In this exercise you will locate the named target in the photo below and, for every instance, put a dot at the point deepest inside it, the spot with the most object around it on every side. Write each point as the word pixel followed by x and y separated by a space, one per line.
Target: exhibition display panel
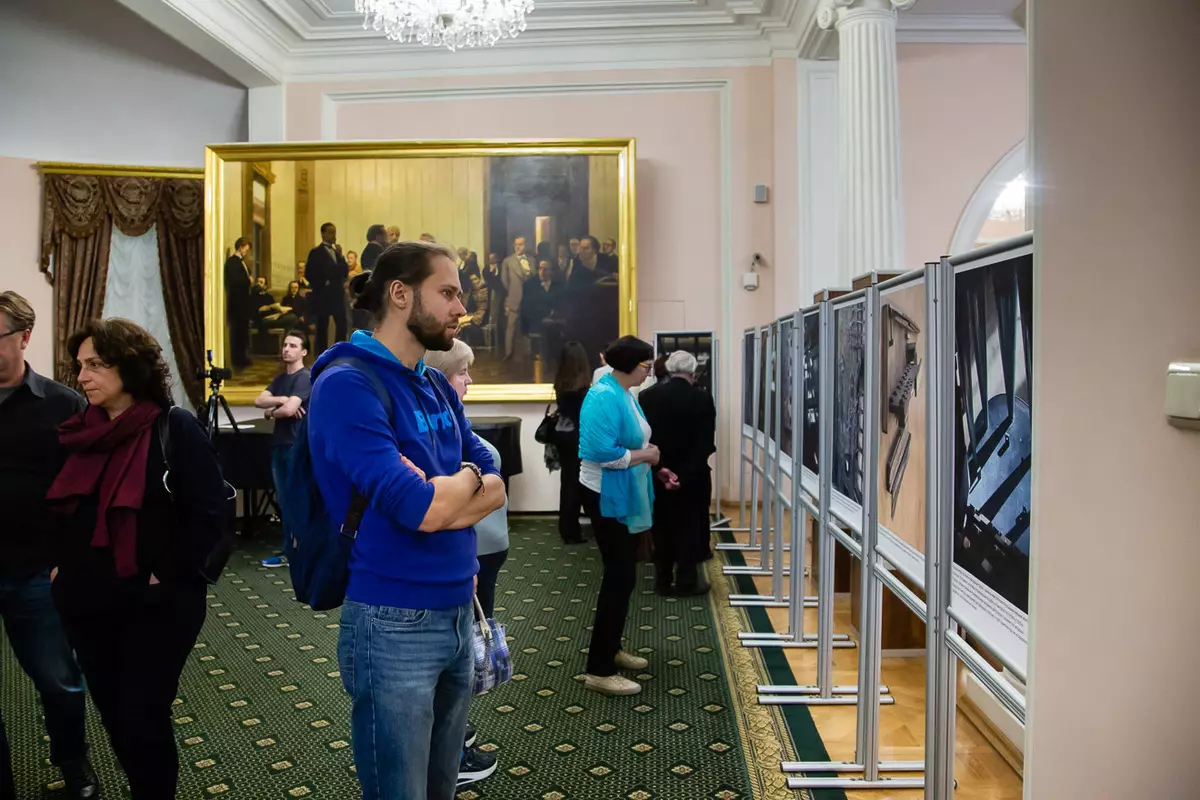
pixel 907 405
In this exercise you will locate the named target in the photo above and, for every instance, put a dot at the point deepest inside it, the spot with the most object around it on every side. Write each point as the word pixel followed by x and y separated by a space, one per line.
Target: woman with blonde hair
pixel 491 541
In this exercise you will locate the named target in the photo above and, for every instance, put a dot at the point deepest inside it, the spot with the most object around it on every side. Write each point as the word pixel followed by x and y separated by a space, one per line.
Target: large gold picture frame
pixel 228 183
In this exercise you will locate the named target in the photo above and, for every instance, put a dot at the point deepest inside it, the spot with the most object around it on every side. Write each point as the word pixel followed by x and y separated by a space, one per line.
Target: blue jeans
pixel 410 674
pixel 40 644
pixel 279 460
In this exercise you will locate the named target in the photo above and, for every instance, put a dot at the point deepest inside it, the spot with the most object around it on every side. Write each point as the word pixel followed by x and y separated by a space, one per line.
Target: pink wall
pixel 962 108
pixel 678 130
pixel 21 209
pixel 1114 648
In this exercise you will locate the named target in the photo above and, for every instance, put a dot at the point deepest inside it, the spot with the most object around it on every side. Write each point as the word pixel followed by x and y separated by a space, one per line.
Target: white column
pixel 871 222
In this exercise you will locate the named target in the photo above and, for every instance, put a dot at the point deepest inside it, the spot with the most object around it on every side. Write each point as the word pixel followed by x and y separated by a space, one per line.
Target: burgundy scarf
pixel 107 458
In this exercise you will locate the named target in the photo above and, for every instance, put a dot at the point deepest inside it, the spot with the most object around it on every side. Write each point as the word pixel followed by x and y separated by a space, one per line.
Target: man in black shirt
pixel 31 409
pixel 285 400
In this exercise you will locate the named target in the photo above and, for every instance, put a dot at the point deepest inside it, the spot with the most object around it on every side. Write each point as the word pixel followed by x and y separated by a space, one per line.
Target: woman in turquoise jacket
pixel 618 496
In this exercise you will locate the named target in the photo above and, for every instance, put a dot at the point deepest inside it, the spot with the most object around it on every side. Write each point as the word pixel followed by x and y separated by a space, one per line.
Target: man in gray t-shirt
pixel 285 400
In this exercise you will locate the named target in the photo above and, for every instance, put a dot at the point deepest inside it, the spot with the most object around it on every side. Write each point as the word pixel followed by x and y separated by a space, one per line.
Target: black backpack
pixel 218 556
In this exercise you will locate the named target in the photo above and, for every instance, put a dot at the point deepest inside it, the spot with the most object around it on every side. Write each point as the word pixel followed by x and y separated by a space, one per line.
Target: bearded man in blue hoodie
pixel 405 645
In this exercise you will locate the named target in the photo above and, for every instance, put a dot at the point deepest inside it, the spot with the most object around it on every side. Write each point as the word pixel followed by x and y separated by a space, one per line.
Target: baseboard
pixel 1011 754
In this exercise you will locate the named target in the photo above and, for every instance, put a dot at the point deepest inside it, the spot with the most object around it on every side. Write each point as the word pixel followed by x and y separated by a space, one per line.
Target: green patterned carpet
pixel 261 712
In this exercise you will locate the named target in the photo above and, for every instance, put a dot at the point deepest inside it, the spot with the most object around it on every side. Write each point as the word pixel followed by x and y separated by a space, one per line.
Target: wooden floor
pixel 981 772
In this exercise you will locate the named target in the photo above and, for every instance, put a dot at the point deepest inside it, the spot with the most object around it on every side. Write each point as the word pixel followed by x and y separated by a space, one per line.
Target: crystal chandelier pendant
pixel 452 24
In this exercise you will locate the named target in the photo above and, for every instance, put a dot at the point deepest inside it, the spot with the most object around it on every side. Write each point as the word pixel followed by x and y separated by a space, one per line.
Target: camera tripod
pixel 216 403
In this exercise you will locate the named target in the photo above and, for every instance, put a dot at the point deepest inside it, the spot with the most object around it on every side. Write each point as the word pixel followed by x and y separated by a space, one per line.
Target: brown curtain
pixel 78 217
pixel 181 263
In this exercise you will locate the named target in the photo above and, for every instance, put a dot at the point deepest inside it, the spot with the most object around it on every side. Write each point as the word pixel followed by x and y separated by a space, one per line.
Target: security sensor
pixel 750 279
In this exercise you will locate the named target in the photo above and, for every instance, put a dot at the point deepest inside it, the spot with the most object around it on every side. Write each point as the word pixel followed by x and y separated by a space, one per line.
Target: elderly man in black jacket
pixel 31 409
pixel 683 421
pixel 326 270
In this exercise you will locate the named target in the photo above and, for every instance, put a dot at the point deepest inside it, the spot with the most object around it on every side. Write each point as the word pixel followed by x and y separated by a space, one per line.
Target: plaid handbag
pixel 492 664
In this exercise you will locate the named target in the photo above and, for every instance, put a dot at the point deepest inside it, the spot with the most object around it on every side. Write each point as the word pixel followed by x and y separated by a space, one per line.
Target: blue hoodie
pixel 393 563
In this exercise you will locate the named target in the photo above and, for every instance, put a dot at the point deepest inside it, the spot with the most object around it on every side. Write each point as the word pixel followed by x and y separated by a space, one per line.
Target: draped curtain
pixel 78 217
pixel 134 291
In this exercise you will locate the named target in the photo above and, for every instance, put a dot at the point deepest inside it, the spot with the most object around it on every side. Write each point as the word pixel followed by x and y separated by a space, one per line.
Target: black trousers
pixel 489 570
pixel 338 315
pixel 681 536
pixel 239 338
pixel 132 657
pixel 618 551
pixel 569 491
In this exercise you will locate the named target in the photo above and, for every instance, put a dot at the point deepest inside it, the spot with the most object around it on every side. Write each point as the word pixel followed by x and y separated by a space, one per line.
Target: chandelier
pixel 446 23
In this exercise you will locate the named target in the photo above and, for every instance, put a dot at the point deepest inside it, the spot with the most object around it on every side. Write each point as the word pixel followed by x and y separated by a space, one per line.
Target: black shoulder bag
pixel 218 556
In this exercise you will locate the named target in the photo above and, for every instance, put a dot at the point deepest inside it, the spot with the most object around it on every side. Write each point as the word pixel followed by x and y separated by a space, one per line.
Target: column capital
pixel 832 12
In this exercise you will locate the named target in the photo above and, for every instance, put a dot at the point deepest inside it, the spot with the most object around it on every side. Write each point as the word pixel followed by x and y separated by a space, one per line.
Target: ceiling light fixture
pixel 452 24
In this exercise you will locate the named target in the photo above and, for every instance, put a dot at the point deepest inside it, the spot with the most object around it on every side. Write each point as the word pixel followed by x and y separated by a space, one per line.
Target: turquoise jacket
pixel 610 424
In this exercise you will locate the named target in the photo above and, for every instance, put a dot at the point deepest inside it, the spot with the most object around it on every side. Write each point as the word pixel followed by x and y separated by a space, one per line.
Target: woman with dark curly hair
pixel 128 584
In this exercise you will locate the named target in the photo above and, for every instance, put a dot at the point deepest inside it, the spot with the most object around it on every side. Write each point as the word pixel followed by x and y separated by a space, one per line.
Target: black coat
pixel 539 303
pixel 30 458
pixel 683 424
pixel 370 254
pixel 328 279
pixel 175 532
pixel 237 288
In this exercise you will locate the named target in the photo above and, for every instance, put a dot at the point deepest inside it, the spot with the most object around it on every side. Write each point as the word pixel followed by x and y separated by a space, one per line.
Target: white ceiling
pixel 264 42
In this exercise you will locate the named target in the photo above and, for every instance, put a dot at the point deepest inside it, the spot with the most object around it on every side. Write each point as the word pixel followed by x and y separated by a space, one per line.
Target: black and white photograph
pixel 788 399
pixel 698 343
pixel 811 391
pixel 993 442
pixel 848 400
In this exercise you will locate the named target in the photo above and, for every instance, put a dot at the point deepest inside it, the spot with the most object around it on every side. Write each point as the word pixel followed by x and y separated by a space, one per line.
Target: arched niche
pixel 996 193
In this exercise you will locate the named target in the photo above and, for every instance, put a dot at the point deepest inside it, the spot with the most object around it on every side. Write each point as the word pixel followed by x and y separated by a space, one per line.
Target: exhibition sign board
pixel 848 400
pixel 993 450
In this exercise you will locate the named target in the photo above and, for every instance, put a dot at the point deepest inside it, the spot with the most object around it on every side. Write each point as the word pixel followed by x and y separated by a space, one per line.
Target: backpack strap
pixel 358 501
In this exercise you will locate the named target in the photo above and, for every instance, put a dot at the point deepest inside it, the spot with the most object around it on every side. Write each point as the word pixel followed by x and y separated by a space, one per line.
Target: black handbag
pixel 222 549
pixel 546 428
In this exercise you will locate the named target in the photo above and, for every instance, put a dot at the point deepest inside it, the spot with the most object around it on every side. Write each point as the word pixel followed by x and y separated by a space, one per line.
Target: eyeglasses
pixel 10 333
pixel 646 365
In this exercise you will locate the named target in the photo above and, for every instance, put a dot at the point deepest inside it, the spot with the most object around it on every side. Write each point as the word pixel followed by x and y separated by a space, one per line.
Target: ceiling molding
pixel 267 42
pixel 959 29
pixel 230 36
pixel 344 66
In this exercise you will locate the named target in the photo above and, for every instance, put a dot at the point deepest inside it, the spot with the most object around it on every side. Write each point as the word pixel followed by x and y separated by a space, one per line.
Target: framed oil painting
pixel 543 230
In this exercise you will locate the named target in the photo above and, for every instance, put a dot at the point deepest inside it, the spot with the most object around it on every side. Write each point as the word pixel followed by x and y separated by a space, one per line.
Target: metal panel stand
pixel 866 759
pixel 824 641
pixel 749 513
pixel 718 520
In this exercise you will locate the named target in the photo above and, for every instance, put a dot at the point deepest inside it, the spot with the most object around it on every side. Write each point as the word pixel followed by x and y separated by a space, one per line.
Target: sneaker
pixel 471 735
pixel 625 660
pixel 612 684
pixel 475 766
pixel 275 562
